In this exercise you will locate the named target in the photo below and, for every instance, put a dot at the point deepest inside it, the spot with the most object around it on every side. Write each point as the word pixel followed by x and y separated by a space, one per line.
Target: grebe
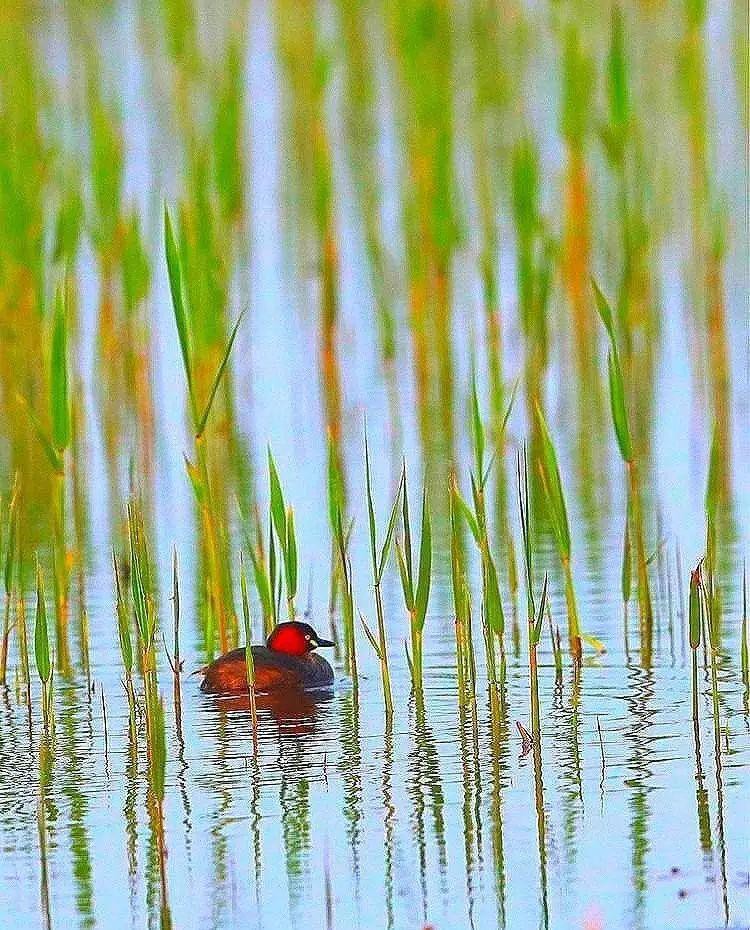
pixel 286 661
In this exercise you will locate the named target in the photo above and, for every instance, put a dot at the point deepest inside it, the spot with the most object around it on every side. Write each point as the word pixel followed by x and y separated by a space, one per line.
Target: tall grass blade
pixel 200 429
pixel 278 507
pixel 41 635
pixel 424 575
pixel 59 394
pixel 174 270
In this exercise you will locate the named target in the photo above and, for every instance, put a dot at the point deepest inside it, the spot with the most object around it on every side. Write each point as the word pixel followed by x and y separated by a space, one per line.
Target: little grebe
pixel 286 661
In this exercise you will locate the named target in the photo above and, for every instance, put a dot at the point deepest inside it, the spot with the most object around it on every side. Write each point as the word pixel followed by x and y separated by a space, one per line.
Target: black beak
pixel 323 642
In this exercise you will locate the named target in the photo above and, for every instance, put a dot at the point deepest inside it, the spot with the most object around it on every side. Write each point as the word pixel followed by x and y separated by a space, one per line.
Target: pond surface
pixel 629 816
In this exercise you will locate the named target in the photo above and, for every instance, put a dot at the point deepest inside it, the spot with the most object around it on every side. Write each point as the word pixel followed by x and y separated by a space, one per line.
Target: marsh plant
pixel 416 595
pixel 379 560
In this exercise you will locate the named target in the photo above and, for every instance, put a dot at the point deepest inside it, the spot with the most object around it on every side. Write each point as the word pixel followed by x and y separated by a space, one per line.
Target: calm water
pixel 626 821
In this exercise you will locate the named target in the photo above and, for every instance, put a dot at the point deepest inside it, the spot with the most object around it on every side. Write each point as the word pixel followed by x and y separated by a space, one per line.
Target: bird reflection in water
pixel 294 711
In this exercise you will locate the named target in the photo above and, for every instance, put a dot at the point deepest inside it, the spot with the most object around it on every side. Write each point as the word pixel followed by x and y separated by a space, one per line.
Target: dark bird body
pixel 287 661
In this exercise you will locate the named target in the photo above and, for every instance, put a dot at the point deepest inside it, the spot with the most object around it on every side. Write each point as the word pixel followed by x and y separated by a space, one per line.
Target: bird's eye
pixel 307 636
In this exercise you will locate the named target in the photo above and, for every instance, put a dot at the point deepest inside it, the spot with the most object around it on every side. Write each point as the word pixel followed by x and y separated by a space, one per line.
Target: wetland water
pixel 628 811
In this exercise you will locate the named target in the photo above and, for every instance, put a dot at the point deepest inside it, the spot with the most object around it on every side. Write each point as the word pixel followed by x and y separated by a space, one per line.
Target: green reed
pixel 336 494
pixel 694 633
pixel 466 666
pixel 416 597
pixel 347 599
pixel 44 663
pixel 549 473
pixel 535 614
pixel 249 664
pixel 9 555
pixel 282 518
pixel 55 442
pixel 379 562
pixel 620 419
pixel 218 579
pixel 143 602
pixel 264 573
pixel 714 491
pixel 493 616
pixel 126 645
pixel 534 266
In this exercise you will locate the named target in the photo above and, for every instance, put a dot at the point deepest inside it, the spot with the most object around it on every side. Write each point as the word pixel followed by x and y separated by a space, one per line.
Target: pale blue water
pixel 334 821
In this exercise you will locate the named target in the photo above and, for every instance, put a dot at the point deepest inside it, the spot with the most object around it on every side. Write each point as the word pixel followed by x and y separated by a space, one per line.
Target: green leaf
pixel 537 628
pixel 425 563
pixel 262 583
pixel 335 483
pixel 11 544
pixel 617 403
pixel 371 637
pixel 45 442
pixel 509 408
pixel 140 578
pixel 123 627
pixel 217 379
pixel 41 638
pixel 248 626
pixel 158 749
pixel 494 606
pixel 477 427
pixel 291 556
pixel 174 270
pixel 695 608
pixel 616 381
pixel 405 580
pixel 407 535
pixel 467 513
pixel 59 395
pixel 596 644
pixel 272 570
pixel 712 482
pixel 385 551
pixel 370 509
pixel 196 480
pixel 552 485
pixel 278 508
pixel 605 311
pixel 457 569
pixel 626 576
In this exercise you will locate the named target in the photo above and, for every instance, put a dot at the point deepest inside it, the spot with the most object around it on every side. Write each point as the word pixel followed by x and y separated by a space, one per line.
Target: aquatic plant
pixel 620 419
pixel 126 643
pixel 416 597
pixel 379 562
pixel 44 664
pixel 282 517
pixel 549 472
pixel 9 554
pixel 466 666
pixel 493 615
pixel 347 598
pixel 218 584
pixel 249 664
pixel 535 614
pixel 694 632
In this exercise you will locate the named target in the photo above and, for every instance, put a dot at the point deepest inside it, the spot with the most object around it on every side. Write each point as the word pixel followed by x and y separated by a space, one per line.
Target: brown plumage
pixel 286 661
